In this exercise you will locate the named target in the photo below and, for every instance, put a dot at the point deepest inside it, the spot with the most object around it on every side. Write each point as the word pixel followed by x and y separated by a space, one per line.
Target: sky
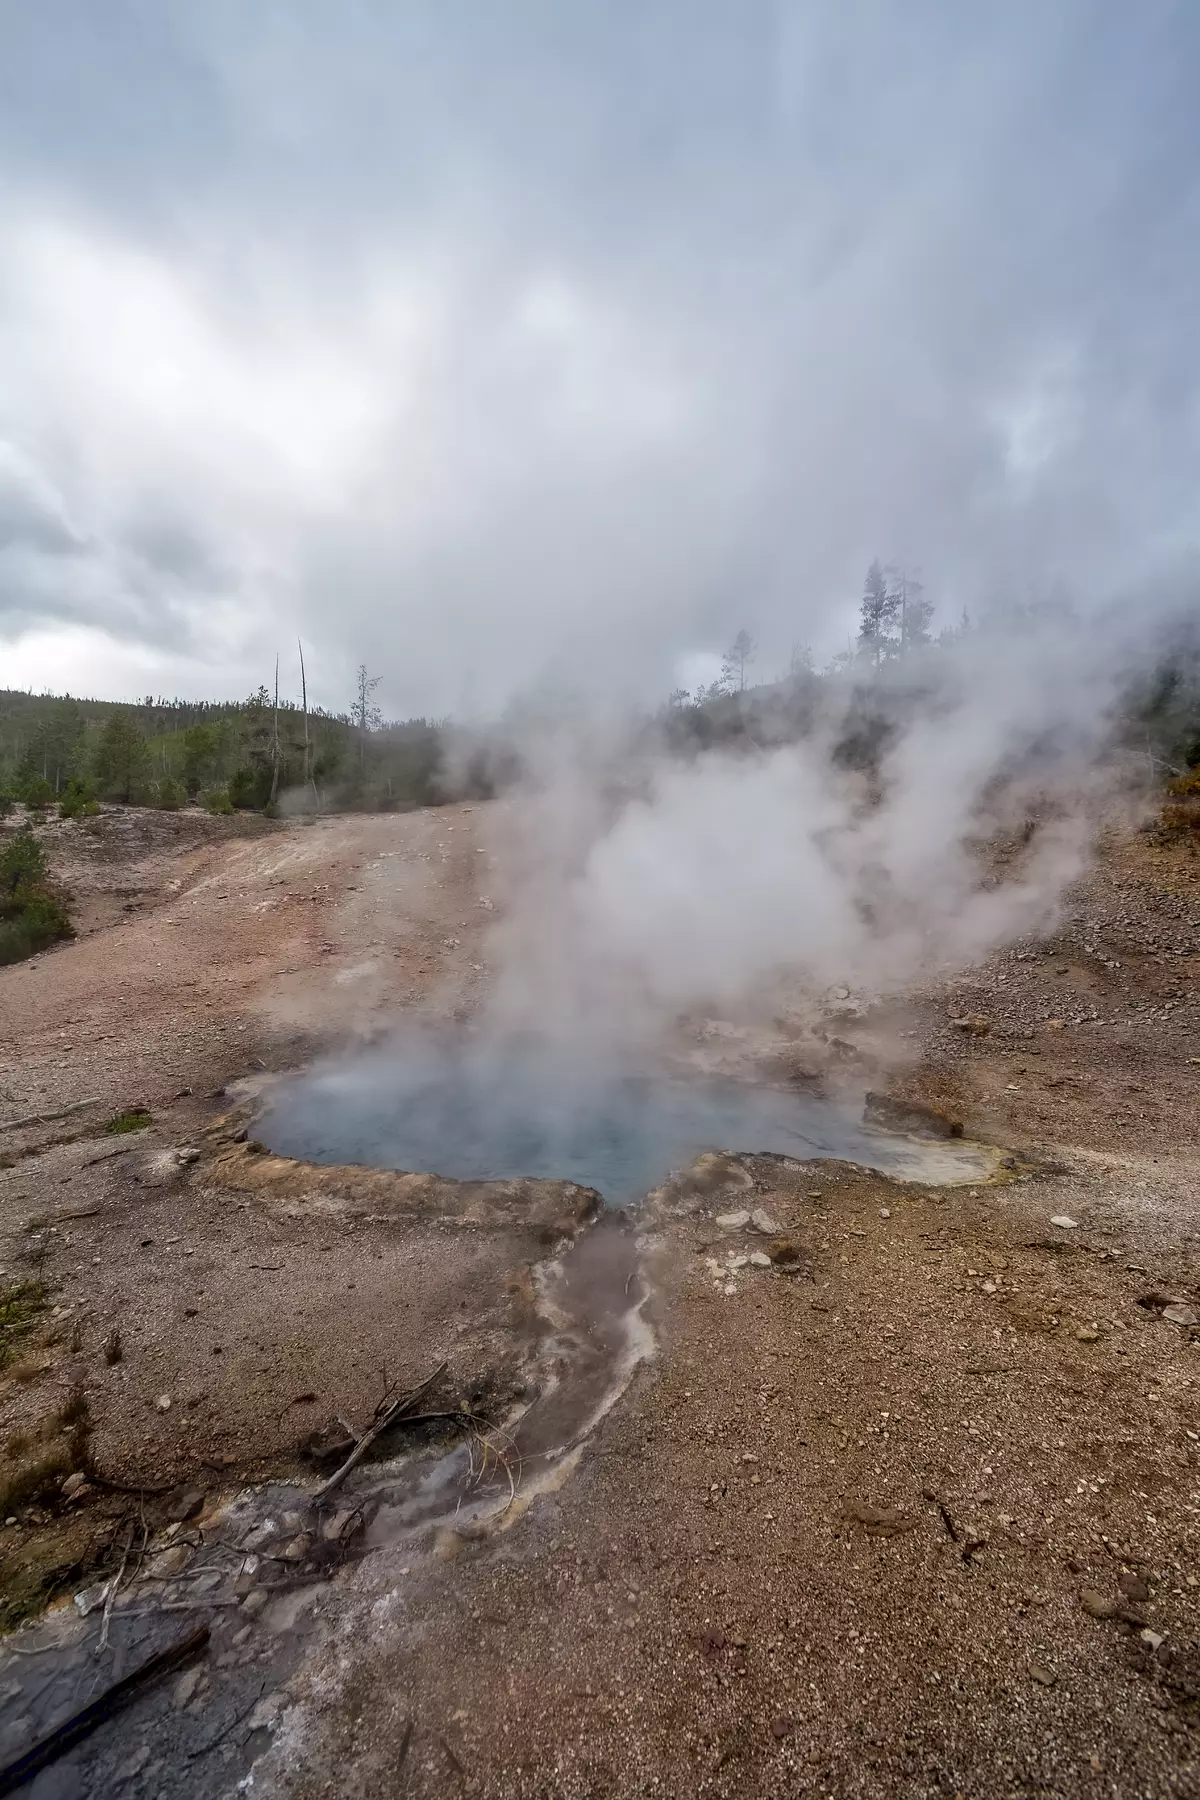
pixel 489 344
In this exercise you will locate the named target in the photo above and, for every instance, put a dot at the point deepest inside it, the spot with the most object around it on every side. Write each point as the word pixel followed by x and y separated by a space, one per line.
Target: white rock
pixel 762 1221
pixel 760 1259
pixel 163 1403
pixel 734 1221
pixel 1153 1638
pixel 1064 1223
pixel 1180 1313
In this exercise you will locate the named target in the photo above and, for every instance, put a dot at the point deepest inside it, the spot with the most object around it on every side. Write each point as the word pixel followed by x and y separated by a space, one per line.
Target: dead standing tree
pixel 367 716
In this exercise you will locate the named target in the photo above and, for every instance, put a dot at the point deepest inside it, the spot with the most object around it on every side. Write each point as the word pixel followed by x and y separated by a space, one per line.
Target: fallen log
pixel 81 1724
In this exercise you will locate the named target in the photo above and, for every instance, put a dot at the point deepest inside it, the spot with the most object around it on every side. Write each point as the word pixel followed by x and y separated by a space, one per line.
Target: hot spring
pixel 470 1110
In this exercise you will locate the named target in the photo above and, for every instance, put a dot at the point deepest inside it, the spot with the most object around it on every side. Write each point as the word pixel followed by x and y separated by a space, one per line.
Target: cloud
pixel 482 341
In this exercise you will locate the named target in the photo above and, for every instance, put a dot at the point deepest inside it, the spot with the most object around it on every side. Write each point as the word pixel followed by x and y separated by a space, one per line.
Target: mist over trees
pixel 270 754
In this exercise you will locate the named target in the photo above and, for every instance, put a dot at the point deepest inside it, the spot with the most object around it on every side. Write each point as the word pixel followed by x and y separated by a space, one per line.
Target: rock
pixel 73 1483
pixel 763 1222
pixel 342 1524
pixel 170 1562
pixel 733 1221
pixel 1097 1604
pixel 876 1521
pixel 977 1024
pixel 133 1764
pixel 885 1212
pixel 186 1686
pixel 254 1602
pixel 89 1598
pixel 781 1728
pixel 1041 1674
pixel 1064 1222
pixel 989 1287
pixel 1134 1587
pixel 297 1548
pixel 187 1504
pixel 759 1259
pixel 1087 1334
pixel 187 1153
pixel 163 1403
pixel 1180 1313
pixel 1155 1639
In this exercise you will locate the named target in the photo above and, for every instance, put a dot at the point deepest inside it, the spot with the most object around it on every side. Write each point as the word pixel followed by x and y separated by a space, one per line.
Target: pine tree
pixel 877 611
pixel 121 756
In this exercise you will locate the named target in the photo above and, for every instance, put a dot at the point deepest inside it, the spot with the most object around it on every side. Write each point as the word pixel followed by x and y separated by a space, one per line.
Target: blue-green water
pixel 475 1111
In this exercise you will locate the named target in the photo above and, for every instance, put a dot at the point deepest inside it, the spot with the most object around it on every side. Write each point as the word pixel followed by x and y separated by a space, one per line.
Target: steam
pixel 741 882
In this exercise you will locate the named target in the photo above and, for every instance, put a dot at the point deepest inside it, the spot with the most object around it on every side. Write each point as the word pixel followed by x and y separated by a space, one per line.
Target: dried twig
pixel 113 1699
pixel 394 1412
pixel 111 1595
pixel 47 1118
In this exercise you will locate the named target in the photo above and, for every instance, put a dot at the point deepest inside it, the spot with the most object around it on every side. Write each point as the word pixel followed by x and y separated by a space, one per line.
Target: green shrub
pixel 169 795
pixel 250 789
pixel 217 800
pixel 77 801
pixel 7 802
pixel 36 792
pixel 31 914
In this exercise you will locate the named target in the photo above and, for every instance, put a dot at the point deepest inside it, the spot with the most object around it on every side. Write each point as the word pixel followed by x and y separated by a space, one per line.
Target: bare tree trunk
pixel 275 742
pixel 308 774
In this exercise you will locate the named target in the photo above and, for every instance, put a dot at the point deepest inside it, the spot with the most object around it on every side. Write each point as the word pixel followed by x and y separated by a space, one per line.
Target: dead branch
pixel 394 1412
pixel 113 1699
pixel 48 1118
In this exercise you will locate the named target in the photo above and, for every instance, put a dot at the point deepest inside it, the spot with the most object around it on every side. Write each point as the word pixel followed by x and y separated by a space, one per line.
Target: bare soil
pixel 910 1512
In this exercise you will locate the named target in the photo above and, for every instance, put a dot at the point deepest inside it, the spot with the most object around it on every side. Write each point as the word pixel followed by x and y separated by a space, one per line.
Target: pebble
pixel 762 1221
pixel 759 1259
pixel 1097 1604
pixel 73 1483
pixel 187 1684
pixel 1155 1639
pixel 1134 1587
pixel 1064 1223
pixel 1180 1313
pixel 1046 1677
pixel 734 1221
pixel 1087 1334
pixel 163 1403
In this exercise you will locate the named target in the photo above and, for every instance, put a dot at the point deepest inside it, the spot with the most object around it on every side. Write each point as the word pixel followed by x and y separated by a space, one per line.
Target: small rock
pixel 1155 1639
pixel 1064 1223
pixel 134 1764
pixel 187 1153
pixel 187 1684
pixel 171 1561
pixel 781 1728
pixel 297 1548
pixel 186 1505
pixel 254 1602
pixel 734 1221
pixel 163 1403
pixel 759 1259
pixel 989 1287
pixel 1180 1313
pixel 978 1024
pixel 342 1524
pixel 1087 1334
pixel 885 1212
pixel 446 1544
pixel 1134 1587
pixel 1041 1674
pixel 763 1222
pixel 1097 1604
pixel 73 1483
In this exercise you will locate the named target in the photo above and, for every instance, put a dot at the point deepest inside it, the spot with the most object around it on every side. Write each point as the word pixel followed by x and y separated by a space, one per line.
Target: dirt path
pixel 911 1511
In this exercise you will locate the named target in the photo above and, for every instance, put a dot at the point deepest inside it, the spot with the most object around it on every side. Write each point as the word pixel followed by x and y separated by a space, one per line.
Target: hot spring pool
pixel 475 1113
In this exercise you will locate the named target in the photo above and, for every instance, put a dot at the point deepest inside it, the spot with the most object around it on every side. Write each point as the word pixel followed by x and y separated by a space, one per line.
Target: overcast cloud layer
pixel 467 339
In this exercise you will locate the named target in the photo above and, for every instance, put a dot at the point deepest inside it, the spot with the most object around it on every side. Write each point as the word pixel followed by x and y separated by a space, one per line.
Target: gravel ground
pixel 915 1517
